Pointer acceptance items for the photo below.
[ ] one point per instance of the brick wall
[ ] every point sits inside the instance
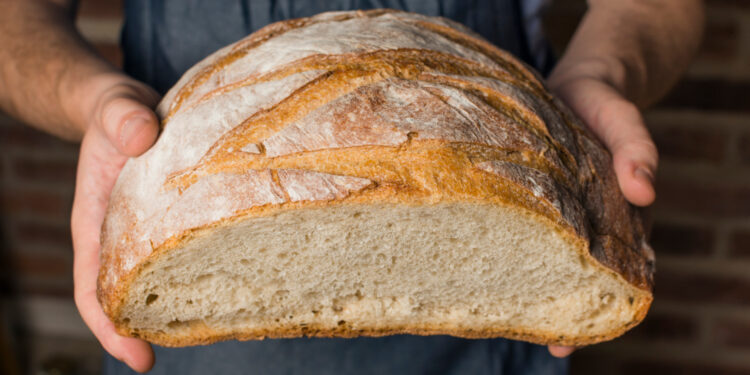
(37, 177)
(699, 324)
(700, 320)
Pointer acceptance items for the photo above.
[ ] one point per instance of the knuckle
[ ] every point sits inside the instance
(616, 109)
(116, 101)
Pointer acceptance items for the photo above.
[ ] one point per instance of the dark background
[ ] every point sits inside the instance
(699, 323)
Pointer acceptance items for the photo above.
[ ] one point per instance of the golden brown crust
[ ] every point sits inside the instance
(502, 138)
(406, 63)
(198, 333)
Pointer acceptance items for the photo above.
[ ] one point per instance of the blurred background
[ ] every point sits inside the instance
(699, 323)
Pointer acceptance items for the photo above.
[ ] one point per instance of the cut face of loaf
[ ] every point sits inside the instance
(370, 173)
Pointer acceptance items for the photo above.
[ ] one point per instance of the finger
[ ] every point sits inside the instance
(634, 154)
(98, 167)
(137, 354)
(619, 125)
(128, 120)
(561, 351)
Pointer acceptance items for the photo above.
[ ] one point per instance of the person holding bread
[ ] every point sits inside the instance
(624, 56)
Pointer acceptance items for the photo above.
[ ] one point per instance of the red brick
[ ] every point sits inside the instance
(739, 244)
(728, 3)
(660, 326)
(45, 234)
(44, 289)
(721, 40)
(2, 168)
(561, 21)
(14, 134)
(682, 240)
(709, 94)
(703, 199)
(100, 8)
(587, 361)
(744, 148)
(702, 289)
(678, 142)
(44, 170)
(29, 201)
(111, 52)
(732, 333)
(684, 368)
(43, 265)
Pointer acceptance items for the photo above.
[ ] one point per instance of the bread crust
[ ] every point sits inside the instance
(197, 333)
(495, 136)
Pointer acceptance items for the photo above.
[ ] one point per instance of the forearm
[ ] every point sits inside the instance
(46, 67)
(638, 47)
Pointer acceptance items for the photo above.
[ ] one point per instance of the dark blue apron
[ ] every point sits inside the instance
(162, 39)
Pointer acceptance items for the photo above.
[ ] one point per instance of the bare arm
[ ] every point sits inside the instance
(51, 78)
(42, 61)
(640, 47)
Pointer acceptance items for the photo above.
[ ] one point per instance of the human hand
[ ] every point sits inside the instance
(120, 123)
(619, 125)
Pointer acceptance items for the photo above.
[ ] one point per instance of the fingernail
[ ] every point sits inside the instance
(131, 128)
(645, 173)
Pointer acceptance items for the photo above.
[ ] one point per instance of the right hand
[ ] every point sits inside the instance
(120, 123)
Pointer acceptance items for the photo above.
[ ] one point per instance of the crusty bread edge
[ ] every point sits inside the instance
(197, 333)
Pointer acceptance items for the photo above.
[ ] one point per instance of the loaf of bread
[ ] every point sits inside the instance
(370, 173)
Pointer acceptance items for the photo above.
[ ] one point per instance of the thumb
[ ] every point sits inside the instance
(619, 125)
(127, 118)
